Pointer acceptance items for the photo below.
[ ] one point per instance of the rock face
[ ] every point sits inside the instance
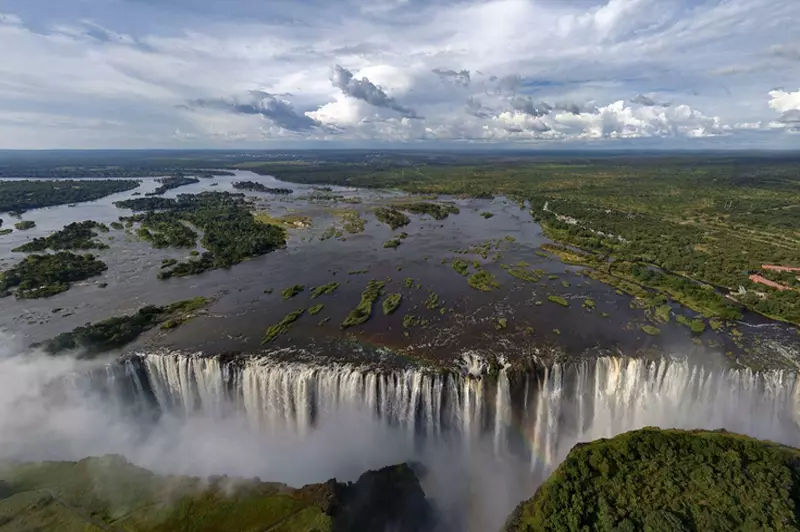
(108, 493)
(668, 480)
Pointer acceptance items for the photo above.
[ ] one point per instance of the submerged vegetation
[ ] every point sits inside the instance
(79, 235)
(117, 332)
(670, 481)
(362, 313)
(20, 196)
(394, 243)
(50, 274)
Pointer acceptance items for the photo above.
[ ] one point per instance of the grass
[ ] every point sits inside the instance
(650, 330)
(696, 325)
(362, 312)
(502, 323)
(393, 243)
(589, 304)
(664, 313)
(483, 280)
(292, 291)
(432, 302)
(461, 266)
(558, 300)
(324, 289)
(284, 325)
(316, 309)
(391, 303)
(522, 271)
(487, 214)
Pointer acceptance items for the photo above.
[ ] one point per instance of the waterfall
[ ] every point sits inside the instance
(541, 413)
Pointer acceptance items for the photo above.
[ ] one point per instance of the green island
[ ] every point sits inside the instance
(292, 291)
(230, 232)
(558, 300)
(324, 289)
(438, 211)
(483, 280)
(650, 330)
(169, 183)
(392, 244)
(686, 219)
(6, 231)
(24, 225)
(391, 217)
(260, 187)
(47, 275)
(487, 215)
(391, 303)
(668, 481)
(114, 333)
(316, 309)
(78, 235)
(282, 326)
(696, 325)
(522, 271)
(461, 266)
(20, 196)
(101, 494)
(362, 313)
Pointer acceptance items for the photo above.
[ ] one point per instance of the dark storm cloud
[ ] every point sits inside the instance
(262, 103)
(461, 77)
(641, 99)
(363, 89)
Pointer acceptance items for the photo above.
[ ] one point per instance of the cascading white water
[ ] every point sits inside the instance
(541, 414)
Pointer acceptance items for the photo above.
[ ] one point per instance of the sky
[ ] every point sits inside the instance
(399, 73)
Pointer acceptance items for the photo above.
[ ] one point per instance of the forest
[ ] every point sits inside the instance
(230, 232)
(704, 222)
(20, 196)
(76, 235)
(260, 187)
(46, 275)
(668, 481)
(169, 183)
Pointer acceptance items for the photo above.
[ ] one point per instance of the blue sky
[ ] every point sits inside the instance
(399, 73)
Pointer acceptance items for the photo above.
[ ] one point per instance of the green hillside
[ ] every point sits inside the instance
(671, 481)
(110, 494)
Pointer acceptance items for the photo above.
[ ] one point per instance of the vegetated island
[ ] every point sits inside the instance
(626, 216)
(77, 235)
(24, 225)
(114, 333)
(168, 183)
(230, 232)
(670, 481)
(260, 187)
(110, 493)
(47, 275)
(20, 196)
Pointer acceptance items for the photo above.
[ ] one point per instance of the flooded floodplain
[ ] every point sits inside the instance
(534, 305)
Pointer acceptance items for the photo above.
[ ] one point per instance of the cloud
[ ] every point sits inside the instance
(785, 51)
(140, 63)
(526, 105)
(642, 99)
(364, 89)
(783, 101)
(262, 103)
(461, 77)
